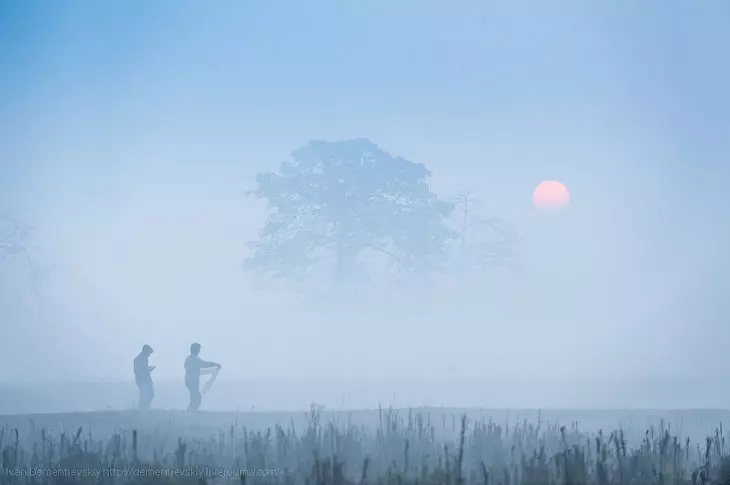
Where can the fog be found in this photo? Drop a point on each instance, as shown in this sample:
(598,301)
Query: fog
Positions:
(130,135)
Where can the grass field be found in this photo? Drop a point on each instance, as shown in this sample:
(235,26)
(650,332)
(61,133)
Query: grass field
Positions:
(426,445)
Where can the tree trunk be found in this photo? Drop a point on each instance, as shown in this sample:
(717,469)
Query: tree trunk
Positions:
(345,264)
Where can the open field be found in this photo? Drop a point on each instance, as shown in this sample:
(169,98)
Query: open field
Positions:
(240,395)
(694,424)
(269,433)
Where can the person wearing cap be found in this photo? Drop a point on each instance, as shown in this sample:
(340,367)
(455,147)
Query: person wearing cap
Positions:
(143,377)
(193,365)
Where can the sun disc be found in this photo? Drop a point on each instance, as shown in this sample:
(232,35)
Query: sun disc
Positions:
(551,195)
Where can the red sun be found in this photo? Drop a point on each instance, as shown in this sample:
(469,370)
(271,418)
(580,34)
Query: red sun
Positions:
(551,195)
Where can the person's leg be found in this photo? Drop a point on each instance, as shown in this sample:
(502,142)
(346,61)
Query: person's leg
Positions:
(141,398)
(195,398)
(190,391)
(149,396)
(146,394)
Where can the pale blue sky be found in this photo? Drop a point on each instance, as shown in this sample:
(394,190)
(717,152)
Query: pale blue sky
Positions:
(239,78)
(129,131)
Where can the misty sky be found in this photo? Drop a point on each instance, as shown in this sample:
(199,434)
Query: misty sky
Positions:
(130,131)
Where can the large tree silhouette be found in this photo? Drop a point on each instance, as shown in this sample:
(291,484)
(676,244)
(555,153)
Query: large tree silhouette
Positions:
(332,202)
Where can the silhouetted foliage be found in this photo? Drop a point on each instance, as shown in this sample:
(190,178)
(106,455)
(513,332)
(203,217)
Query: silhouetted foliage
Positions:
(332,202)
(396,449)
(13,236)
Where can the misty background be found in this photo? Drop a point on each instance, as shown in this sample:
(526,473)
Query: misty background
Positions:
(130,133)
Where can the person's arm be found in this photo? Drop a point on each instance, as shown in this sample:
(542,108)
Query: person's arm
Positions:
(204,364)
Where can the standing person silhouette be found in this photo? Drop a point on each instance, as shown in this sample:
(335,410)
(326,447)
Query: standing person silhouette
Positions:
(193,365)
(143,377)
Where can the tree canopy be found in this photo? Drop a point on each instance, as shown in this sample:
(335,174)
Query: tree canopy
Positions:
(334,201)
